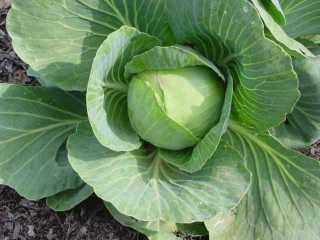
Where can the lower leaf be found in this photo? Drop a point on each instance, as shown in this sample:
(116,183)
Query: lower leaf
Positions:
(142,185)
(284,201)
(67,200)
(302,127)
(35,123)
(158,230)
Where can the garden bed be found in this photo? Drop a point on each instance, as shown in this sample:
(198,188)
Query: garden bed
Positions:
(23,219)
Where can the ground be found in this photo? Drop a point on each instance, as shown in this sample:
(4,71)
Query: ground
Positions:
(21,219)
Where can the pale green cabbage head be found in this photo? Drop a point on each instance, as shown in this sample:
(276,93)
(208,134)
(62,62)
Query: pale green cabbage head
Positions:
(174,109)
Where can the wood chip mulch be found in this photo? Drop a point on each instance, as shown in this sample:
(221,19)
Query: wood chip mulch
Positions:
(12,69)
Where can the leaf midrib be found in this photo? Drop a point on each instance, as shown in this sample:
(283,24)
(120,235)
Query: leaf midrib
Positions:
(65,123)
(273,154)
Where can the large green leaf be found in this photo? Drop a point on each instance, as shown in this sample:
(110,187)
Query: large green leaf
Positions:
(302,127)
(278,33)
(59,38)
(67,200)
(108,87)
(303,17)
(140,184)
(231,34)
(158,230)
(284,201)
(160,58)
(34,125)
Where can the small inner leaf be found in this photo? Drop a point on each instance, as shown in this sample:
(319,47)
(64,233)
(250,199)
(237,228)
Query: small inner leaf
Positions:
(107,88)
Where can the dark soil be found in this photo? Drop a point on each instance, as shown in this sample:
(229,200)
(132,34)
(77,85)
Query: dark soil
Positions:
(313,151)
(12,69)
(21,219)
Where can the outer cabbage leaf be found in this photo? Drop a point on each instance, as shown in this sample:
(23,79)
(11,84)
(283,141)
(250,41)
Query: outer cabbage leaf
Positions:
(275,9)
(34,125)
(231,34)
(302,127)
(158,230)
(303,17)
(190,160)
(283,202)
(107,89)
(59,38)
(67,200)
(278,33)
(140,184)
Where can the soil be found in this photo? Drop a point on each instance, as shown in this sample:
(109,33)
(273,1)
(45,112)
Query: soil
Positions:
(21,219)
